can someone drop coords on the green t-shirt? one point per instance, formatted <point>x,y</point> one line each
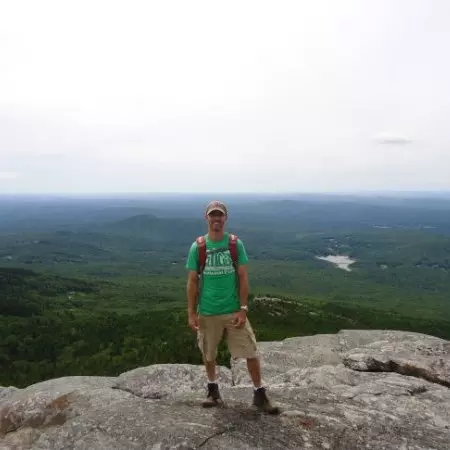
<point>219,288</point>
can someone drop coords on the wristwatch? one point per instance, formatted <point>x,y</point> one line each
<point>245,308</point>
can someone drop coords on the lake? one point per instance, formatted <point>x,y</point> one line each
<point>341,261</point>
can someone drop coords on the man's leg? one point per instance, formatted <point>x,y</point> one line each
<point>254,370</point>
<point>210,367</point>
<point>242,344</point>
<point>209,336</point>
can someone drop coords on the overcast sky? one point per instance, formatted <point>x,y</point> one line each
<point>105,96</point>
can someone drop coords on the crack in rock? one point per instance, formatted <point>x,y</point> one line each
<point>149,396</point>
<point>217,433</point>
<point>366,363</point>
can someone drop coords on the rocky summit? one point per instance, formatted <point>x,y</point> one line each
<point>356,389</point>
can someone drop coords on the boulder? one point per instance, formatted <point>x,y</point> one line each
<point>378,389</point>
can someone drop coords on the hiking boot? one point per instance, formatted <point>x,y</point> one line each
<point>213,398</point>
<point>261,401</point>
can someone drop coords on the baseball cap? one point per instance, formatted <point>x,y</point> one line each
<point>216,206</point>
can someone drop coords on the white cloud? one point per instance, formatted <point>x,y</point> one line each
<point>392,139</point>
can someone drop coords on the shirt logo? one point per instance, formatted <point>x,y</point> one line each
<point>218,262</point>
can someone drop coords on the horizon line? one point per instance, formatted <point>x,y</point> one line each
<point>224,193</point>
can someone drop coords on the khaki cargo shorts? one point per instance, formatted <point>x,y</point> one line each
<point>241,341</point>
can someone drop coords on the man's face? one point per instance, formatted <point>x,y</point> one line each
<point>216,220</point>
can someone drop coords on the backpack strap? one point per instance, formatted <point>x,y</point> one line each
<point>201,246</point>
<point>232,246</point>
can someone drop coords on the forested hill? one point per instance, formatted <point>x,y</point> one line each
<point>24,293</point>
<point>37,213</point>
<point>54,326</point>
<point>148,226</point>
<point>98,286</point>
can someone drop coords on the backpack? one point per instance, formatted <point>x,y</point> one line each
<point>201,246</point>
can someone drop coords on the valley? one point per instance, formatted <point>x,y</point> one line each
<point>97,286</point>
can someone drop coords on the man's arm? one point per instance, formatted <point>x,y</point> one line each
<point>192,290</point>
<point>192,286</point>
<point>242,273</point>
<point>243,284</point>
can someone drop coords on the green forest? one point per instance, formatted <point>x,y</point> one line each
<point>97,287</point>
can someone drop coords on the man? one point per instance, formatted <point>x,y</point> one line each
<point>218,304</point>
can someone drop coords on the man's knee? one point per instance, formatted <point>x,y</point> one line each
<point>253,359</point>
<point>209,336</point>
<point>208,349</point>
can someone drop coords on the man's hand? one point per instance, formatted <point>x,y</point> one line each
<point>239,319</point>
<point>193,321</point>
